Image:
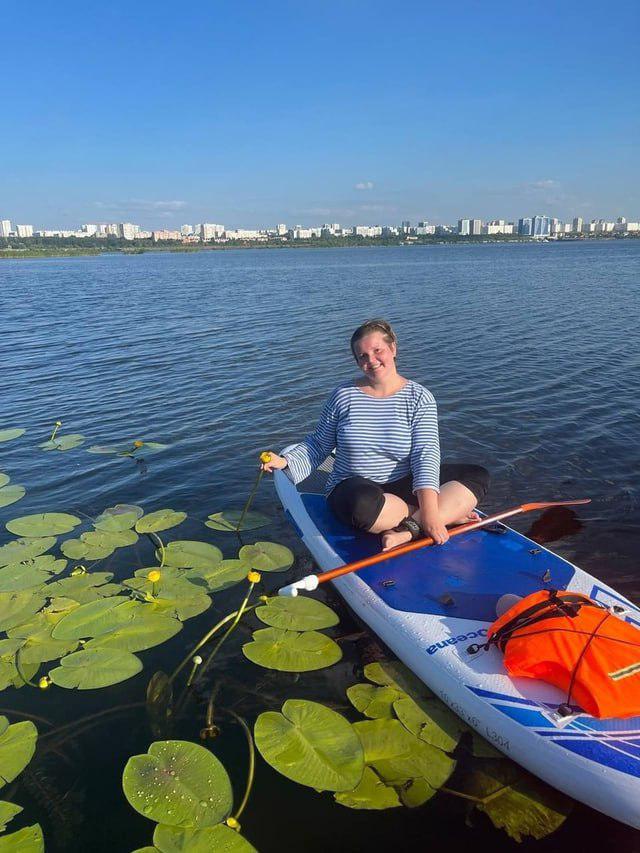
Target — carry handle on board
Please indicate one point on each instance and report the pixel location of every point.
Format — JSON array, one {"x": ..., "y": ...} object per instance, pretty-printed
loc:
[{"x": 311, "y": 582}]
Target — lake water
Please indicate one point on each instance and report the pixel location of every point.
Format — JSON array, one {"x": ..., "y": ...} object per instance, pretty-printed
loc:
[{"x": 532, "y": 352}]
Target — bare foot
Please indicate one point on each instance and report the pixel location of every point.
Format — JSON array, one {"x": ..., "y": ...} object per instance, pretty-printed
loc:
[
  {"x": 473, "y": 516},
  {"x": 393, "y": 538}
]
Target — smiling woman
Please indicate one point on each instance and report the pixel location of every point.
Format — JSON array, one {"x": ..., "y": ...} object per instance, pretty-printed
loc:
[{"x": 387, "y": 478}]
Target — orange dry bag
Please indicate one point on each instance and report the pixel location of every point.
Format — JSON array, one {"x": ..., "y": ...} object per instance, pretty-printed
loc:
[{"x": 569, "y": 640}]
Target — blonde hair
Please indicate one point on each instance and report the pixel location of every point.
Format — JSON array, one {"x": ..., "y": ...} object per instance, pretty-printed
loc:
[{"x": 369, "y": 326}]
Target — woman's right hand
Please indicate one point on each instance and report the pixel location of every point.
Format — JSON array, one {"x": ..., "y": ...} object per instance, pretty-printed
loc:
[{"x": 275, "y": 462}]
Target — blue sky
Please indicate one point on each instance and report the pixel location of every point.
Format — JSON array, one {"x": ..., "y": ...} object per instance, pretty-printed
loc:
[{"x": 262, "y": 112}]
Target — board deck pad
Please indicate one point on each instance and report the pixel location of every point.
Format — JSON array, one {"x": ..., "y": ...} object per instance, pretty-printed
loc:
[{"x": 463, "y": 580}]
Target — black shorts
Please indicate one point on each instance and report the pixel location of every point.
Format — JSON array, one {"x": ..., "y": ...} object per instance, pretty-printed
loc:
[{"x": 357, "y": 501}]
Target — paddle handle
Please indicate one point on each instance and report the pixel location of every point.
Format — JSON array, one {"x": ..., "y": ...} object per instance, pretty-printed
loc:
[{"x": 456, "y": 531}]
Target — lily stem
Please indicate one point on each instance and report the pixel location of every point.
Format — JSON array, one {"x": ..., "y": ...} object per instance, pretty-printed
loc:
[
  {"x": 252, "y": 762},
  {"x": 249, "y": 500}
]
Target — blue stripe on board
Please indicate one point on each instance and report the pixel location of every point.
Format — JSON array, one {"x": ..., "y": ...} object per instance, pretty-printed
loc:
[{"x": 462, "y": 579}]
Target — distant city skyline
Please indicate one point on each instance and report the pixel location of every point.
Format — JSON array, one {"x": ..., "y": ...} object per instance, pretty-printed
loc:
[{"x": 261, "y": 113}]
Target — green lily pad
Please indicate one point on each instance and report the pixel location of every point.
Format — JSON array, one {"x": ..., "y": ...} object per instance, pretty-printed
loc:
[
  {"x": 119, "y": 517},
  {"x": 43, "y": 524},
  {"x": 416, "y": 792},
  {"x": 27, "y": 840},
  {"x": 17, "y": 607},
  {"x": 392, "y": 673},
  {"x": 84, "y": 587},
  {"x": 141, "y": 633},
  {"x": 10, "y": 434},
  {"x": 180, "y": 782},
  {"x": 10, "y": 494},
  {"x": 37, "y": 642},
  {"x": 290, "y": 651},
  {"x": 266, "y": 557},
  {"x": 98, "y": 544},
  {"x": 370, "y": 793},
  {"x": 127, "y": 448},
  {"x": 225, "y": 574},
  {"x": 7, "y": 812},
  {"x": 95, "y": 618},
  {"x": 93, "y": 668},
  {"x": 209, "y": 839},
  {"x": 4, "y": 479},
  {"x": 190, "y": 554},
  {"x": 431, "y": 721},
  {"x": 171, "y": 595},
  {"x": 30, "y": 573},
  {"x": 4, "y": 725},
  {"x": 9, "y": 675},
  {"x": 161, "y": 519},
  {"x": 374, "y": 702},
  {"x": 297, "y": 614},
  {"x": 63, "y": 442},
  {"x": 383, "y": 739},
  {"x": 229, "y": 519},
  {"x": 20, "y": 550},
  {"x": 311, "y": 744},
  {"x": 17, "y": 745},
  {"x": 424, "y": 761}
]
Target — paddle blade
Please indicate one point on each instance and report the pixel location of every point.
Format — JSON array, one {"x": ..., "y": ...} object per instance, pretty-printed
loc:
[{"x": 546, "y": 504}]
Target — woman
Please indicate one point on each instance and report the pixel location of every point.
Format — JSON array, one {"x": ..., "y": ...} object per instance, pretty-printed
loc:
[{"x": 387, "y": 478}]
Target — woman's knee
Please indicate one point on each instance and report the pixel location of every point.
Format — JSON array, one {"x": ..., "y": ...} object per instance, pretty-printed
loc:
[
  {"x": 478, "y": 481},
  {"x": 357, "y": 501}
]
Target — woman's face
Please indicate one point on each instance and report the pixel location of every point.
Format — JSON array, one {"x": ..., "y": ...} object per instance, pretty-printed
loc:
[{"x": 375, "y": 356}]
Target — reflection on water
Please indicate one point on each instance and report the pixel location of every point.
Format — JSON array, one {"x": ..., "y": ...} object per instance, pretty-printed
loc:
[{"x": 532, "y": 353}]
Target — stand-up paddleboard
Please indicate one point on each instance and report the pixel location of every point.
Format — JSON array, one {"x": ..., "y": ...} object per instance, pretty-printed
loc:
[{"x": 429, "y": 606}]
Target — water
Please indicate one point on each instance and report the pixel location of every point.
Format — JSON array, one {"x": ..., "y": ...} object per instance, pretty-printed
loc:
[{"x": 532, "y": 352}]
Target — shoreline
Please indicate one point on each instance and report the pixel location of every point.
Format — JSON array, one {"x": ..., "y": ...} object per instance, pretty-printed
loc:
[{"x": 124, "y": 247}]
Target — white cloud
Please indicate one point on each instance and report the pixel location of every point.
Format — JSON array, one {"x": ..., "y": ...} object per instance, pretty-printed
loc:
[
  {"x": 142, "y": 205},
  {"x": 546, "y": 184},
  {"x": 364, "y": 185}
]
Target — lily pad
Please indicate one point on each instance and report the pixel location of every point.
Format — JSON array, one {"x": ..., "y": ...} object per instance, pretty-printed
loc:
[
  {"x": 43, "y": 524},
  {"x": 20, "y": 550},
  {"x": 95, "y": 618},
  {"x": 10, "y": 434},
  {"x": 37, "y": 643},
  {"x": 128, "y": 448},
  {"x": 225, "y": 574},
  {"x": 7, "y": 812},
  {"x": 171, "y": 595},
  {"x": 98, "y": 544},
  {"x": 370, "y": 793},
  {"x": 392, "y": 673},
  {"x": 290, "y": 651},
  {"x": 10, "y": 494},
  {"x": 431, "y": 721},
  {"x": 141, "y": 633},
  {"x": 84, "y": 587},
  {"x": 180, "y": 782},
  {"x": 267, "y": 557},
  {"x": 416, "y": 792},
  {"x": 374, "y": 702},
  {"x": 190, "y": 554},
  {"x": 311, "y": 745},
  {"x": 297, "y": 614},
  {"x": 30, "y": 573},
  {"x": 63, "y": 442},
  {"x": 209, "y": 839},
  {"x": 17, "y": 607},
  {"x": 229, "y": 519},
  {"x": 9, "y": 675},
  {"x": 4, "y": 725},
  {"x": 17, "y": 745},
  {"x": 161, "y": 519},
  {"x": 384, "y": 739},
  {"x": 93, "y": 668},
  {"x": 4, "y": 479},
  {"x": 118, "y": 517},
  {"x": 27, "y": 840}
]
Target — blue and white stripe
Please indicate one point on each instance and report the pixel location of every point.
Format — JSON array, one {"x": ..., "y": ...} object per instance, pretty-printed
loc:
[{"x": 381, "y": 438}]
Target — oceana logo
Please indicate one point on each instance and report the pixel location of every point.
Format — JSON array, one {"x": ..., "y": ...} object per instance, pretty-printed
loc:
[{"x": 472, "y": 635}]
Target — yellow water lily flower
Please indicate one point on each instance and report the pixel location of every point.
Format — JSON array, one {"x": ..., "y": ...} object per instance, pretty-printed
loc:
[
  {"x": 265, "y": 457},
  {"x": 78, "y": 570},
  {"x": 154, "y": 576},
  {"x": 138, "y": 443},
  {"x": 232, "y": 823},
  {"x": 44, "y": 682},
  {"x": 254, "y": 577}
]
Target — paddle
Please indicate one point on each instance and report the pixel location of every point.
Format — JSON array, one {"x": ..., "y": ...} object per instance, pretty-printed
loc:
[{"x": 311, "y": 582}]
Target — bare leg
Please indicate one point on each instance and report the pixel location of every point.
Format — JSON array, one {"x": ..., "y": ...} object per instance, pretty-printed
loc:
[{"x": 455, "y": 502}]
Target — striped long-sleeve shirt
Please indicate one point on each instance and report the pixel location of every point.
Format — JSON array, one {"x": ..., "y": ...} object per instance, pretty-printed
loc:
[{"x": 381, "y": 438}]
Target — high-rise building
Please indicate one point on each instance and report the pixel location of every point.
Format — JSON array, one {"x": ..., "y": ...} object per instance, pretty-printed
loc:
[
  {"x": 186, "y": 230},
  {"x": 541, "y": 226},
  {"x": 24, "y": 230},
  {"x": 525, "y": 226},
  {"x": 555, "y": 226},
  {"x": 475, "y": 226},
  {"x": 577, "y": 225},
  {"x": 128, "y": 231},
  {"x": 209, "y": 231},
  {"x": 89, "y": 229},
  {"x": 464, "y": 227},
  {"x": 281, "y": 229},
  {"x": 5, "y": 227}
]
